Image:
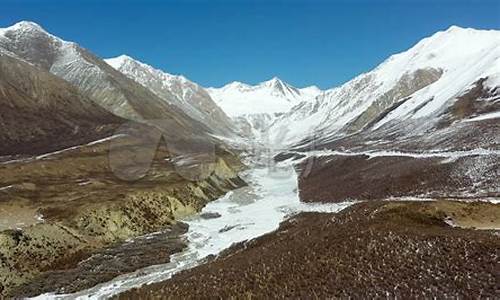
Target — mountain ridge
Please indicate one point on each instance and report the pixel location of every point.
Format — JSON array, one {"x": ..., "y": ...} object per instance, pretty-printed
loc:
[{"x": 177, "y": 90}]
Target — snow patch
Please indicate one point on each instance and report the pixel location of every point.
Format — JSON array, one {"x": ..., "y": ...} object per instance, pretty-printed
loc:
[{"x": 493, "y": 115}]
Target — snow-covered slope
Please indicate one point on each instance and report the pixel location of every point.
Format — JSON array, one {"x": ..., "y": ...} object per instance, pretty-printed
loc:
[
  {"x": 176, "y": 90},
  {"x": 418, "y": 84},
  {"x": 270, "y": 97}
]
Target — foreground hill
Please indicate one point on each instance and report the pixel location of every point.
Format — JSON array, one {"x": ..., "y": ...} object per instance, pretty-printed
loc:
[{"x": 370, "y": 250}]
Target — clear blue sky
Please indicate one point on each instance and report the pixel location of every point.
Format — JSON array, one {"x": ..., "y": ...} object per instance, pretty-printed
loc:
[{"x": 215, "y": 42}]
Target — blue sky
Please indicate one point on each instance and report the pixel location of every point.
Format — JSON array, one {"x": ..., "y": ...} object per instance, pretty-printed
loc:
[{"x": 215, "y": 42}]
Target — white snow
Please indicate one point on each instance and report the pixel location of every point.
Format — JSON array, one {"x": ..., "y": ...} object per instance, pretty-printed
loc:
[
  {"x": 28, "y": 28},
  {"x": 493, "y": 115},
  {"x": 6, "y": 187},
  {"x": 80, "y": 146},
  {"x": 119, "y": 61},
  {"x": 310, "y": 91},
  {"x": 384, "y": 153}
]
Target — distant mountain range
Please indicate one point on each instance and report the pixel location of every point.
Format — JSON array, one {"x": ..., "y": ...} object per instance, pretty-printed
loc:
[{"x": 269, "y": 97}]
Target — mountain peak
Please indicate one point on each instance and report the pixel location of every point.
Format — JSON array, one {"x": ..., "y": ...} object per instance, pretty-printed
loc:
[
  {"x": 272, "y": 82},
  {"x": 28, "y": 30},
  {"x": 26, "y": 26},
  {"x": 118, "y": 61},
  {"x": 454, "y": 28},
  {"x": 124, "y": 57}
]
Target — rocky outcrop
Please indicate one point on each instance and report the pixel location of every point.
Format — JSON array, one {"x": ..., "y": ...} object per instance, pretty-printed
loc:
[{"x": 84, "y": 270}]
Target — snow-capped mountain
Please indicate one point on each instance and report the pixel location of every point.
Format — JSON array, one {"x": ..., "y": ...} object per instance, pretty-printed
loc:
[
  {"x": 255, "y": 107},
  {"x": 422, "y": 83},
  {"x": 270, "y": 97},
  {"x": 176, "y": 90},
  {"x": 96, "y": 79}
]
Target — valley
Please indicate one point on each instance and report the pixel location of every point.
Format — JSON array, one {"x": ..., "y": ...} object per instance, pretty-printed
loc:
[{"x": 118, "y": 179}]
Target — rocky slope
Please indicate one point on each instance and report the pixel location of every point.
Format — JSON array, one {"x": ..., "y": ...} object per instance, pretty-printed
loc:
[
  {"x": 370, "y": 250},
  {"x": 42, "y": 112},
  {"x": 369, "y": 176},
  {"x": 88, "y": 159},
  {"x": 178, "y": 91}
]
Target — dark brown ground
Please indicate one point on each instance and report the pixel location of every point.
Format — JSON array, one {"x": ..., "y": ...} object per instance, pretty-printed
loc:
[
  {"x": 340, "y": 178},
  {"x": 372, "y": 249}
]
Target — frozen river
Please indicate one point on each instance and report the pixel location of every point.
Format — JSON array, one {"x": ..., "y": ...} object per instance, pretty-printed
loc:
[{"x": 243, "y": 214}]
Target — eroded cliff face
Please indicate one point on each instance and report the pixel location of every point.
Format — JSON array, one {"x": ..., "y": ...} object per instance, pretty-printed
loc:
[{"x": 82, "y": 207}]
